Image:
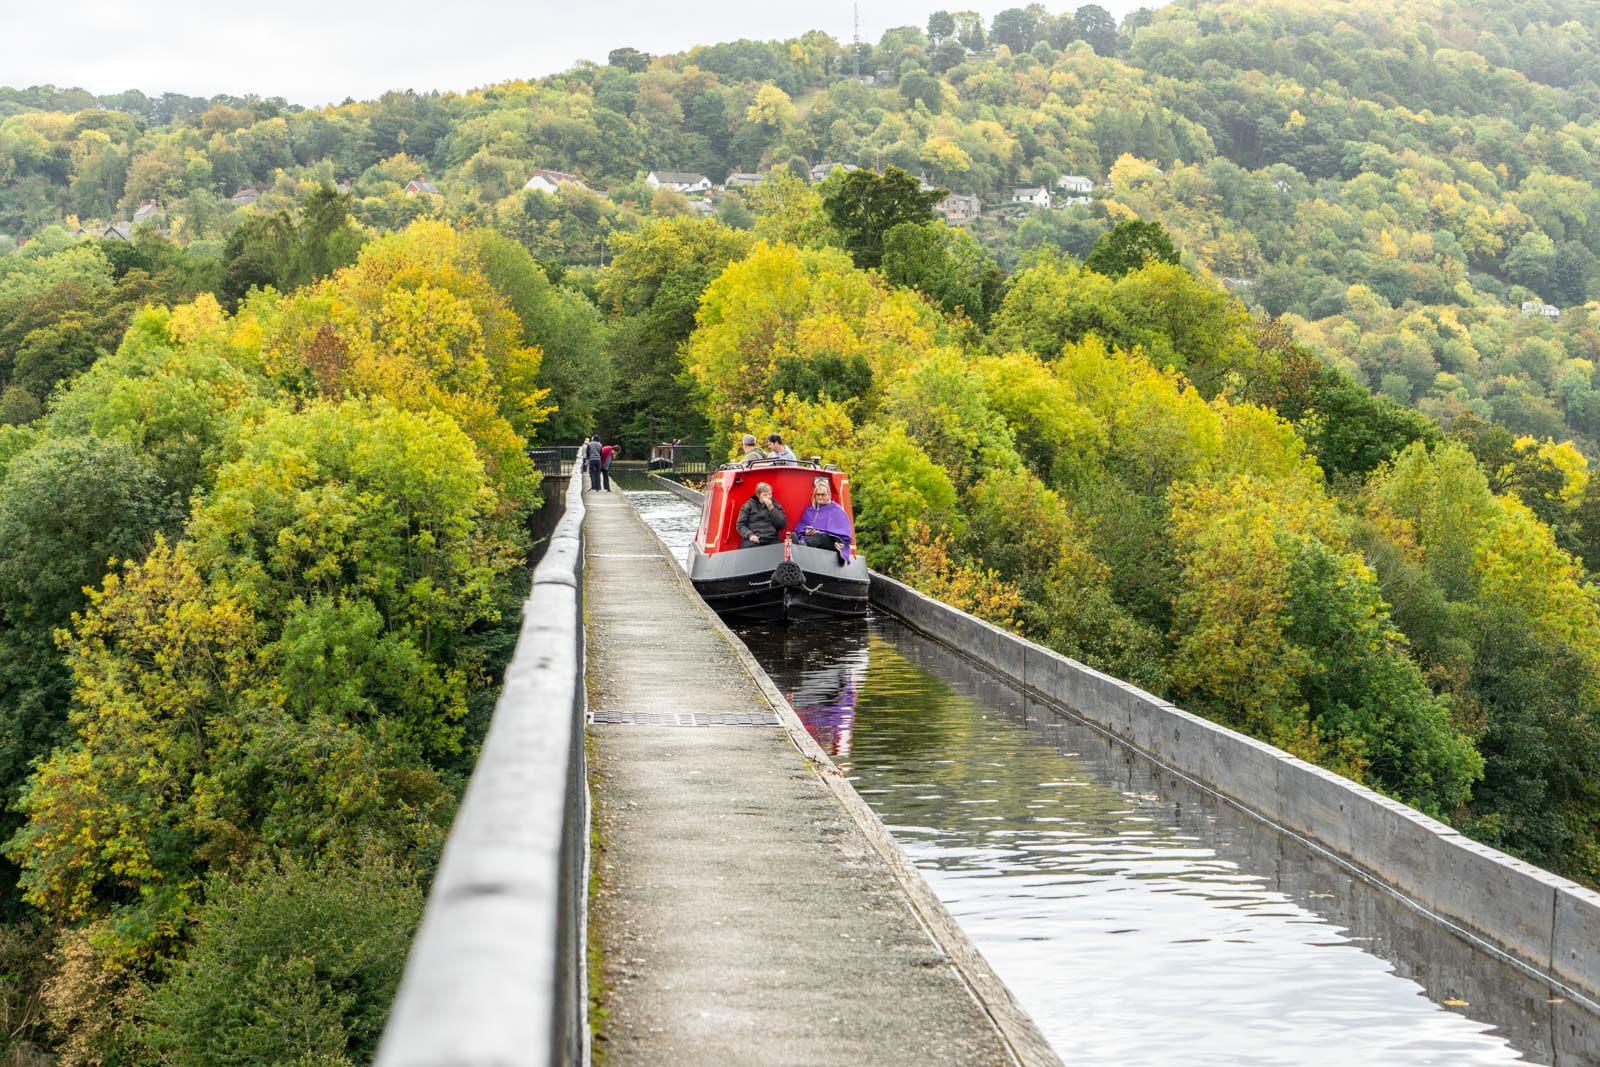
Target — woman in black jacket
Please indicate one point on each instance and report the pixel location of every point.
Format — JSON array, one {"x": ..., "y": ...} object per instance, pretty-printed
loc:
[{"x": 761, "y": 520}]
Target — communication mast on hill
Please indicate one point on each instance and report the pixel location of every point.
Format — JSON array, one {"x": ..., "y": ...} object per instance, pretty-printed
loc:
[{"x": 856, "y": 50}]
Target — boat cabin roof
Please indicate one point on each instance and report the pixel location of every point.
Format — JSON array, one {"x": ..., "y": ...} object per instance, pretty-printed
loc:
[{"x": 729, "y": 488}]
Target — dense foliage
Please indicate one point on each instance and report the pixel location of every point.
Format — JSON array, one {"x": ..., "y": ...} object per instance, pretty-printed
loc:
[
  {"x": 262, "y": 571},
  {"x": 1397, "y": 183},
  {"x": 262, "y": 467}
]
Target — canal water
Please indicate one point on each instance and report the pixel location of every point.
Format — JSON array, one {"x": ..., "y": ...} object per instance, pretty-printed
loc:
[{"x": 1139, "y": 919}]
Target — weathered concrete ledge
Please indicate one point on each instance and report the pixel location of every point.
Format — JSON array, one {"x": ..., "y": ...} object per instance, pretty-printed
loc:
[
  {"x": 751, "y": 908},
  {"x": 496, "y": 973},
  {"x": 1547, "y": 923}
]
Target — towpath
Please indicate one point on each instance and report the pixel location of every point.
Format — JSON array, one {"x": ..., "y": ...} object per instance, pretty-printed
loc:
[{"x": 742, "y": 912}]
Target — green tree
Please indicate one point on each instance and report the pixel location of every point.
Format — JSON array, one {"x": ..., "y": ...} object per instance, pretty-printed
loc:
[
  {"x": 301, "y": 960},
  {"x": 946, "y": 264},
  {"x": 1130, "y": 245},
  {"x": 654, "y": 285},
  {"x": 863, "y": 207}
]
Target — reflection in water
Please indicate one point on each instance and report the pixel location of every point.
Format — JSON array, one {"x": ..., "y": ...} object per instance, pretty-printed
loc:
[{"x": 1139, "y": 919}]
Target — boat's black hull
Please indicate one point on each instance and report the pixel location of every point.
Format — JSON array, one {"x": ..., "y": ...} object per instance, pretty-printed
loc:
[
  {"x": 741, "y": 599},
  {"x": 747, "y": 585}
]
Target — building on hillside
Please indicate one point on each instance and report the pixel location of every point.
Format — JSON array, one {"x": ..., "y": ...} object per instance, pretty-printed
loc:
[
  {"x": 1538, "y": 307},
  {"x": 679, "y": 181},
  {"x": 342, "y": 187},
  {"x": 116, "y": 231},
  {"x": 960, "y": 207},
  {"x": 743, "y": 180},
  {"x": 822, "y": 170},
  {"x": 1073, "y": 201},
  {"x": 1037, "y": 195},
  {"x": 149, "y": 212},
  {"x": 1076, "y": 184},
  {"x": 245, "y": 197},
  {"x": 549, "y": 181},
  {"x": 419, "y": 185}
]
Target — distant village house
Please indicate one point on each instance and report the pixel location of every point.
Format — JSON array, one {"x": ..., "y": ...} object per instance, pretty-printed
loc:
[
  {"x": 549, "y": 181},
  {"x": 417, "y": 185},
  {"x": 743, "y": 180},
  {"x": 148, "y": 211},
  {"x": 822, "y": 170},
  {"x": 117, "y": 231},
  {"x": 960, "y": 207},
  {"x": 244, "y": 197},
  {"x": 1075, "y": 183},
  {"x": 679, "y": 181},
  {"x": 1037, "y": 195},
  {"x": 1536, "y": 307}
]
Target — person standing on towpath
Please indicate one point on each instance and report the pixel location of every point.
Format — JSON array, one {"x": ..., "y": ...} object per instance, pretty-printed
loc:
[{"x": 591, "y": 456}]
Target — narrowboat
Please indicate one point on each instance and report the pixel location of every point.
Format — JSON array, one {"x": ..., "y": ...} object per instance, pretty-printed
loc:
[{"x": 784, "y": 581}]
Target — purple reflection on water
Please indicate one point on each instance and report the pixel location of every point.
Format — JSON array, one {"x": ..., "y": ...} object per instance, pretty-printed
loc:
[{"x": 826, "y": 704}]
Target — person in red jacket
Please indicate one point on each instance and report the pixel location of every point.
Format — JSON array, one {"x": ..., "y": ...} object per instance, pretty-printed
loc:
[{"x": 605, "y": 465}]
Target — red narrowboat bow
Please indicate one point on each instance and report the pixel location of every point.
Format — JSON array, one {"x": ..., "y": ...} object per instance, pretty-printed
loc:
[{"x": 785, "y": 580}]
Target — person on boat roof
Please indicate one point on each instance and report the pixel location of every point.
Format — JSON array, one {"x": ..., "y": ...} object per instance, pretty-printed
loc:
[
  {"x": 761, "y": 520},
  {"x": 824, "y": 524},
  {"x": 751, "y": 452},
  {"x": 776, "y": 449}
]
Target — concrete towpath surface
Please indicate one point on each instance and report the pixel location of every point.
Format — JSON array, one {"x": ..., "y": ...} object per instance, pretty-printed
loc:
[{"x": 741, "y": 911}]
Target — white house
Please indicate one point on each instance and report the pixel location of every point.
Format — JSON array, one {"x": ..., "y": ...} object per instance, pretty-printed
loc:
[
  {"x": 743, "y": 180},
  {"x": 1073, "y": 201},
  {"x": 822, "y": 170},
  {"x": 1535, "y": 307},
  {"x": 1075, "y": 183},
  {"x": 548, "y": 181},
  {"x": 679, "y": 181},
  {"x": 1036, "y": 195},
  {"x": 959, "y": 207}
]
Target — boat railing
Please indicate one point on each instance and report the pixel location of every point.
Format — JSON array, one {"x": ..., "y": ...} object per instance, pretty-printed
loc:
[{"x": 815, "y": 464}]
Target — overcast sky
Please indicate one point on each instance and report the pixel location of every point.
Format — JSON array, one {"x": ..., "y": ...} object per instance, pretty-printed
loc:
[{"x": 321, "y": 51}]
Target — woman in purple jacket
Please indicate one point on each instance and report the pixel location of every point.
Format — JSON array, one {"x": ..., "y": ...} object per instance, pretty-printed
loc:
[{"x": 824, "y": 524}]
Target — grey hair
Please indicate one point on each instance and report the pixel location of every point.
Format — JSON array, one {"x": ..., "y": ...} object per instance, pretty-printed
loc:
[
  {"x": 762, "y": 487},
  {"x": 824, "y": 482}
]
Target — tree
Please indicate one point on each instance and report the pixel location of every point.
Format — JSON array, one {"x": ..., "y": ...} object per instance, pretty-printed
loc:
[
  {"x": 629, "y": 59},
  {"x": 863, "y": 207},
  {"x": 946, "y": 264},
  {"x": 653, "y": 286},
  {"x": 325, "y": 945},
  {"x": 1095, "y": 25},
  {"x": 1128, "y": 246},
  {"x": 941, "y": 24},
  {"x": 327, "y": 238},
  {"x": 1016, "y": 28}
]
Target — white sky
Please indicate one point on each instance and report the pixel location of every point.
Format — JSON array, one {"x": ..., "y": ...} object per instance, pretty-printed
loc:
[{"x": 321, "y": 51}]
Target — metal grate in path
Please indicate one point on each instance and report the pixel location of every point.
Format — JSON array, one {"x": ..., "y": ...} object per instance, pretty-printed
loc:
[{"x": 684, "y": 718}]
